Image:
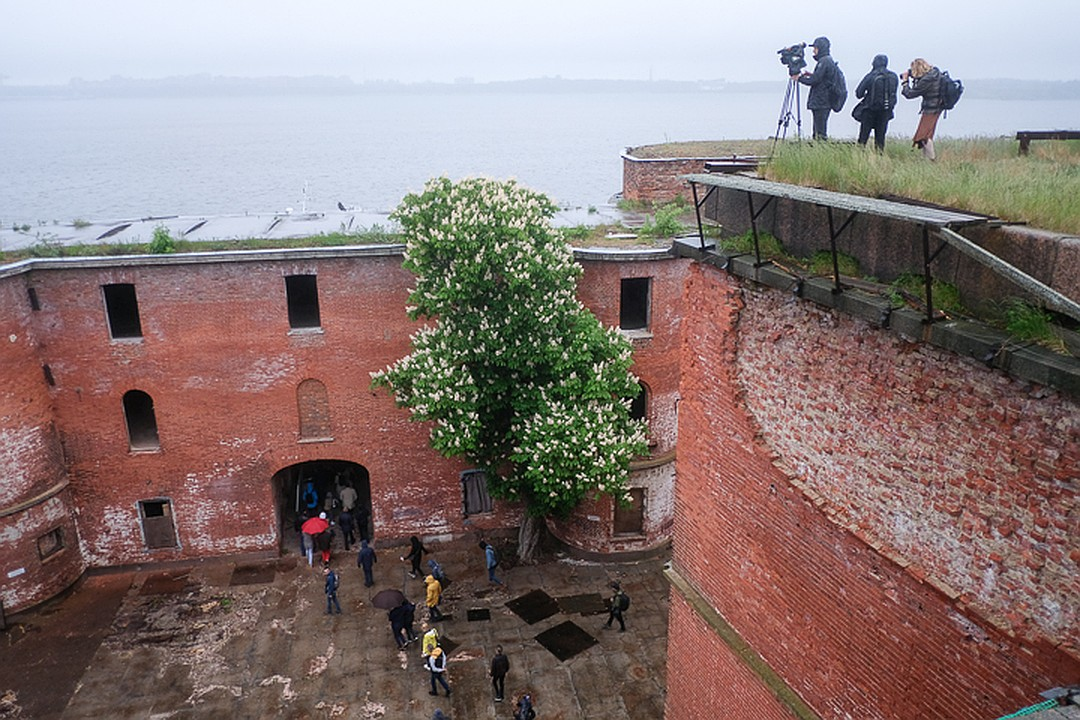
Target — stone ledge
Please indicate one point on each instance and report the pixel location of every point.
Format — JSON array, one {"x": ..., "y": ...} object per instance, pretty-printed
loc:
[{"x": 967, "y": 338}]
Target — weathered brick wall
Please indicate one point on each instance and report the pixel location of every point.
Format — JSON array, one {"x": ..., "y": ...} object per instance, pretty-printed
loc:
[
  {"x": 33, "y": 497},
  {"x": 656, "y": 363},
  {"x": 657, "y": 180},
  {"x": 705, "y": 679},
  {"x": 223, "y": 368},
  {"x": 851, "y": 623}
]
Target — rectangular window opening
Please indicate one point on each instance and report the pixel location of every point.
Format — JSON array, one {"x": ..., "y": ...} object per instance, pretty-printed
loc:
[
  {"x": 50, "y": 543},
  {"x": 157, "y": 522},
  {"x": 122, "y": 308},
  {"x": 630, "y": 519},
  {"x": 48, "y": 375},
  {"x": 32, "y": 294},
  {"x": 302, "y": 294},
  {"x": 475, "y": 497},
  {"x": 634, "y": 304}
]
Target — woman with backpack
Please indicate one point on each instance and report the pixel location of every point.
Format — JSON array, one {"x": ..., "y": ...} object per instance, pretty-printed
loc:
[
  {"x": 877, "y": 98},
  {"x": 924, "y": 80}
]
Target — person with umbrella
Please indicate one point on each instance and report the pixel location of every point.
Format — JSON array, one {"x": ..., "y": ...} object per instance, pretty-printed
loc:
[
  {"x": 397, "y": 624},
  {"x": 313, "y": 527},
  {"x": 388, "y": 599}
]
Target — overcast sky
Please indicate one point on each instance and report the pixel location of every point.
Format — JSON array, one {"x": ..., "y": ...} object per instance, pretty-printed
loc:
[{"x": 52, "y": 41}]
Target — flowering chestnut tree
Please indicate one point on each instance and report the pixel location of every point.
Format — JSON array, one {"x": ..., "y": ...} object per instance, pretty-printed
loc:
[{"x": 513, "y": 372}]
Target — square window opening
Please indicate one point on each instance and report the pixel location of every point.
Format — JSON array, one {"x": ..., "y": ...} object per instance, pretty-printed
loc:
[
  {"x": 634, "y": 304},
  {"x": 157, "y": 522},
  {"x": 50, "y": 543},
  {"x": 122, "y": 309},
  {"x": 302, "y": 294}
]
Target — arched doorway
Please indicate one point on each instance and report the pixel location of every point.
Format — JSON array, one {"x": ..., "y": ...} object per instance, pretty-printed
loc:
[{"x": 308, "y": 488}]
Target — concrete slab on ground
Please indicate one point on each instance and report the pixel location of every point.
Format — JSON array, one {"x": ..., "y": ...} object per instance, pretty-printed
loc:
[{"x": 191, "y": 642}]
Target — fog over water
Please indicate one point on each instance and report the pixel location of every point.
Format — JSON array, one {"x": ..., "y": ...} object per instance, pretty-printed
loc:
[{"x": 108, "y": 158}]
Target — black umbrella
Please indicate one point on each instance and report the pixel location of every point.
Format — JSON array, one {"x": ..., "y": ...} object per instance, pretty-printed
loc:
[{"x": 388, "y": 599}]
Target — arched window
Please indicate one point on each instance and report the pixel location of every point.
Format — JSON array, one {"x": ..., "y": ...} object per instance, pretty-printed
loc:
[
  {"x": 313, "y": 406},
  {"x": 141, "y": 422},
  {"x": 639, "y": 407}
]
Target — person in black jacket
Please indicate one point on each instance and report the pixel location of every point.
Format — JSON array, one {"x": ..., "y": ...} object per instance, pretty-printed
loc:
[
  {"x": 821, "y": 81},
  {"x": 500, "y": 665},
  {"x": 924, "y": 80},
  {"x": 877, "y": 95}
]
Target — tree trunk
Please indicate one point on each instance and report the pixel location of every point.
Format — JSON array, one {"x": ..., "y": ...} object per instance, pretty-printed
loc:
[{"x": 529, "y": 536}]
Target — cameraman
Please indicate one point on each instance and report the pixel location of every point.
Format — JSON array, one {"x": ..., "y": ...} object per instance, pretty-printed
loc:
[{"x": 821, "y": 82}]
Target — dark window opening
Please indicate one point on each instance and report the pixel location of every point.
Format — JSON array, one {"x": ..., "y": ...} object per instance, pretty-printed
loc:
[
  {"x": 634, "y": 304},
  {"x": 475, "y": 497},
  {"x": 639, "y": 405},
  {"x": 48, "y": 375},
  {"x": 313, "y": 406},
  {"x": 50, "y": 543},
  {"x": 122, "y": 308},
  {"x": 141, "y": 421},
  {"x": 32, "y": 294},
  {"x": 157, "y": 522},
  {"x": 630, "y": 519},
  {"x": 302, "y": 293}
]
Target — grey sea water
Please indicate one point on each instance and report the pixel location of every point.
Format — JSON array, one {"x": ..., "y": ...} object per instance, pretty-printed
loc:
[{"x": 103, "y": 158}]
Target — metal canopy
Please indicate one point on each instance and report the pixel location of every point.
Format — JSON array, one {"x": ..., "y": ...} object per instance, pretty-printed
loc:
[
  {"x": 934, "y": 217},
  {"x": 929, "y": 218}
]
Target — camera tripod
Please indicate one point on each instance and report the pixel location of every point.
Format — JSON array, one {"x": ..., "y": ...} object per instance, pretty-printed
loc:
[{"x": 791, "y": 106}]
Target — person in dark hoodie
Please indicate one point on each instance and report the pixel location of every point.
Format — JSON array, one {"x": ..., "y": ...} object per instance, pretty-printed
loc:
[
  {"x": 877, "y": 96},
  {"x": 924, "y": 80},
  {"x": 821, "y": 81}
]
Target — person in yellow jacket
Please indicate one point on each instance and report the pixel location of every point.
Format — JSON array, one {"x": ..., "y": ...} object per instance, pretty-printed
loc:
[
  {"x": 429, "y": 642},
  {"x": 434, "y": 594}
]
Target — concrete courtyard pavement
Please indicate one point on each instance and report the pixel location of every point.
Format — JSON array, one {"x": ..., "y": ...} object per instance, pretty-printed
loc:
[{"x": 250, "y": 639}]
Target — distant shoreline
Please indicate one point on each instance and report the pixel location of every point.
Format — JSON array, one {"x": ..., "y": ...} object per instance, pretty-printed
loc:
[{"x": 216, "y": 86}]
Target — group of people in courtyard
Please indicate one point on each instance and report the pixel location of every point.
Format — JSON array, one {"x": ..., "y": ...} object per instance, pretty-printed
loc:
[
  {"x": 877, "y": 94},
  {"x": 403, "y": 616}
]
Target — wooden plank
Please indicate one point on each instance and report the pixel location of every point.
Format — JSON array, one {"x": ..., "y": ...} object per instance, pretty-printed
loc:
[
  {"x": 841, "y": 201},
  {"x": 1053, "y": 299}
]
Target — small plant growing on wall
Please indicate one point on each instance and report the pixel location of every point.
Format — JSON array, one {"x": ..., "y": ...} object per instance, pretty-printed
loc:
[{"x": 162, "y": 242}]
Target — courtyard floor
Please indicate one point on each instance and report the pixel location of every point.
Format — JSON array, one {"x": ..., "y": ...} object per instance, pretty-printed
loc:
[{"x": 242, "y": 639}]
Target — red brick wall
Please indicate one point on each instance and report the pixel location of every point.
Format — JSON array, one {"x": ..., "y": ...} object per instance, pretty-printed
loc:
[
  {"x": 705, "y": 679},
  {"x": 657, "y": 180},
  {"x": 844, "y": 618},
  {"x": 223, "y": 368},
  {"x": 33, "y": 500},
  {"x": 656, "y": 363}
]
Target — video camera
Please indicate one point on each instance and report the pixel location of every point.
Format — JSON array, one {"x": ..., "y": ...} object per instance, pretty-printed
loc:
[{"x": 794, "y": 56}]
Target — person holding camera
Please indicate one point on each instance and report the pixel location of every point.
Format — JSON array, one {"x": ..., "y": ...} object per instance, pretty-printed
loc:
[
  {"x": 924, "y": 80},
  {"x": 877, "y": 98},
  {"x": 821, "y": 82}
]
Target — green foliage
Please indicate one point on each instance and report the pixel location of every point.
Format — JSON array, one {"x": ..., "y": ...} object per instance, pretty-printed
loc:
[
  {"x": 770, "y": 246},
  {"x": 162, "y": 242},
  {"x": 578, "y": 232},
  {"x": 665, "y": 223},
  {"x": 984, "y": 175},
  {"x": 513, "y": 372},
  {"x": 946, "y": 296},
  {"x": 79, "y": 223},
  {"x": 1032, "y": 324},
  {"x": 820, "y": 263}
]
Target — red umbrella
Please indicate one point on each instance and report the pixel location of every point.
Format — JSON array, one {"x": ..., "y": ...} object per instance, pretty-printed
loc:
[{"x": 314, "y": 526}]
